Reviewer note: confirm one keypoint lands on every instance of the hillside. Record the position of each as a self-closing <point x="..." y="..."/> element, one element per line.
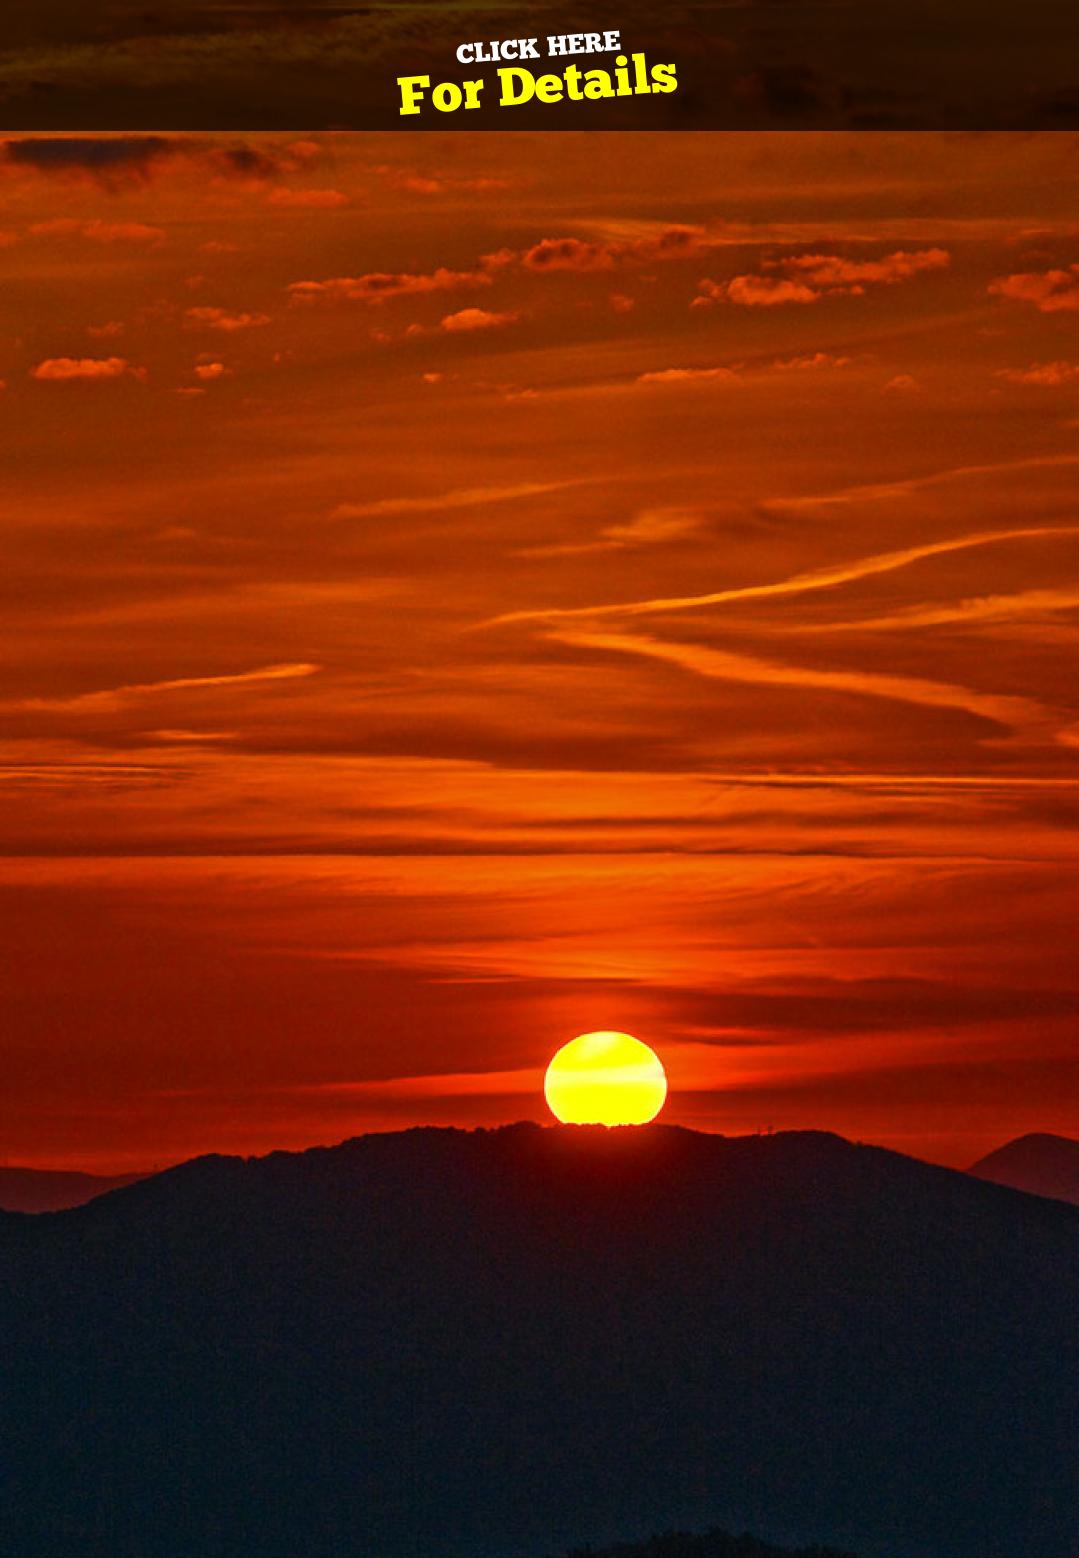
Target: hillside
<point x="709" y="1544"/>
<point x="510" y="1343"/>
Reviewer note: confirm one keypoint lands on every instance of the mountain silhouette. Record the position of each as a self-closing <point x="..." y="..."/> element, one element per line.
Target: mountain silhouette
<point x="1040" y="1164"/>
<point x="510" y="1343"/>
<point x="53" y="1190"/>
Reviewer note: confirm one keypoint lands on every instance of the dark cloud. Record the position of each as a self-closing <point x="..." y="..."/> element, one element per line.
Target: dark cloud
<point x="118" y="160"/>
<point x="107" y="157"/>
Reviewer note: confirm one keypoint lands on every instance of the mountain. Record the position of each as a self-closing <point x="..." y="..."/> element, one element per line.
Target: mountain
<point x="503" y="1344"/>
<point x="1040" y="1164"/>
<point x="51" y="1190"/>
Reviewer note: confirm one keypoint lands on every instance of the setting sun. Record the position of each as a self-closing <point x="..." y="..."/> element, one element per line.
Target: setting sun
<point x="605" y="1079"/>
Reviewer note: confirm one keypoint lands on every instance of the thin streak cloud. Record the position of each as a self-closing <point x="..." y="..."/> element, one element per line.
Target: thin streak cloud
<point x="110" y="695"/>
<point x="1007" y="711"/>
<point x="799" y="584"/>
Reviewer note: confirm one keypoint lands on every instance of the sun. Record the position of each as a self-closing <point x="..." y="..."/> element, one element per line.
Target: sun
<point x="605" y="1079"/>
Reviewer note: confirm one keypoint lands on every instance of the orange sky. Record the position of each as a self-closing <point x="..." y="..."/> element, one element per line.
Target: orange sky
<point x="463" y="591"/>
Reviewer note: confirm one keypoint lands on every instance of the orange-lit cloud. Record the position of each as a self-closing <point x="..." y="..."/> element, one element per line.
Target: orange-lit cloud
<point x="210" y="318"/>
<point x="388" y="701"/>
<point x="1051" y="291"/>
<point x="467" y="319"/>
<point x="112" y="695"/>
<point x="758" y="291"/>
<point x="1042" y="374"/>
<point x="378" y="286"/>
<point x="1007" y="711"/>
<point x="799" y="584"/>
<point x="63" y="369"/>
<point x="688" y="375"/>
<point x="807" y="278"/>
<point x="830" y="271"/>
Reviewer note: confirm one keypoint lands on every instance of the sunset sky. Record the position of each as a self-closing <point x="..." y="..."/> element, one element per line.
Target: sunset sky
<point x="462" y="591"/>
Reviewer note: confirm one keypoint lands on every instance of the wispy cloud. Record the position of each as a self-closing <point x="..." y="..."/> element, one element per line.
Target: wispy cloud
<point x="1008" y="712"/>
<point x="461" y="498"/>
<point x="829" y="577"/>
<point x="1023" y="605"/>
<point x="651" y="527"/>
<point x="110" y="696"/>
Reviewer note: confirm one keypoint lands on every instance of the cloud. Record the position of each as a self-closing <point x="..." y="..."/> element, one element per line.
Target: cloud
<point x="651" y="527"/>
<point x="222" y="319"/>
<point x="1008" y="711"/>
<point x="828" y="577"/>
<point x="59" y="369"/>
<point x="577" y="254"/>
<point x="760" y="292"/>
<point x="115" y="161"/>
<point x="309" y="199"/>
<point x="811" y="362"/>
<point x="1051" y="291"/>
<point x="100" y="232"/>
<point x="552" y="254"/>
<point x="832" y="271"/>
<point x="107" y="158"/>
<point x="465" y="497"/>
<point x="192" y="737"/>
<point x="806" y="278"/>
<point x="902" y="384"/>
<point x="418" y="183"/>
<point x="1041" y="373"/>
<point x="475" y="319"/>
<point x="1024" y="605"/>
<point x="548" y="256"/>
<point x="377" y="286"/>
<point x="448" y="1084"/>
<point x="877" y="491"/>
<point x="111" y="696"/>
<point x="688" y="376"/>
<point x="209" y="371"/>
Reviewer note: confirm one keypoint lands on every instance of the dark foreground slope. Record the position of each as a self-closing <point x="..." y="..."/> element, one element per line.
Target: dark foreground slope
<point x="708" y="1544"/>
<point x="1040" y="1164"/>
<point x="53" y="1190"/>
<point x="511" y="1343"/>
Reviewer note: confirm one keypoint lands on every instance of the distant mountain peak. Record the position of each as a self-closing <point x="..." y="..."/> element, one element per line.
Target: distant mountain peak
<point x="1039" y="1163"/>
<point x="53" y="1190"/>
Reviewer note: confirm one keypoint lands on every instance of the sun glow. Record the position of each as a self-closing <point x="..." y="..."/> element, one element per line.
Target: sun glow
<point x="605" y="1079"/>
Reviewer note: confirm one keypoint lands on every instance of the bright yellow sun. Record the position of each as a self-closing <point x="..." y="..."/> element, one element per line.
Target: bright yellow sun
<point x="605" y="1079"/>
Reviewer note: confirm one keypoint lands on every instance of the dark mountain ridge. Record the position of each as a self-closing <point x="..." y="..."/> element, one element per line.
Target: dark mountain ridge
<point x="500" y="1344"/>
<point x="1040" y="1164"/>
